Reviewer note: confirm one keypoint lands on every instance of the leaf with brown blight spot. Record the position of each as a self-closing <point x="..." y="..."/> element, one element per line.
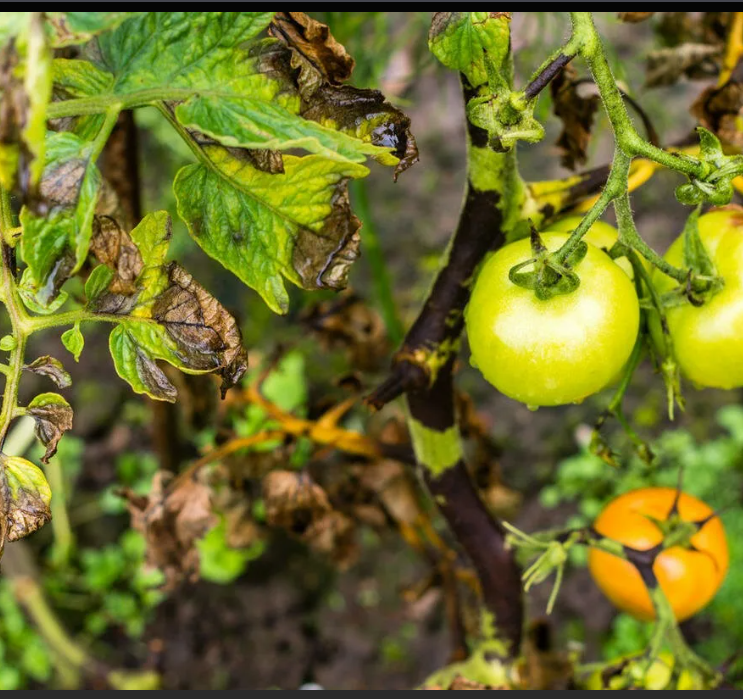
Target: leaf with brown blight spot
<point x="51" y="368"/>
<point x="165" y="314"/>
<point x="171" y="523"/>
<point x="317" y="55"/>
<point x="720" y="109"/>
<point x="53" y="416"/>
<point x="24" y="499"/>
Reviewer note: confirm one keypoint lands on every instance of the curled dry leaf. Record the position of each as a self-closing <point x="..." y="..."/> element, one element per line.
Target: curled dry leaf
<point x="24" y="499"/>
<point x="171" y="523"/>
<point x="52" y="368"/>
<point x="576" y="113"/>
<point x="720" y="109"/>
<point x="53" y="416"/>
<point x="301" y="507"/>
<point x="349" y="322"/>
<point x="317" y="55"/>
<point x="165" y="313"/>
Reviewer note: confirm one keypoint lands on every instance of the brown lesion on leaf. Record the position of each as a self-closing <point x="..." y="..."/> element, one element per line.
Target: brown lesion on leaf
<point x="24" y="504"/>
<point x="576" y="113"/>
<point x="206" y="334"/>
<point x="315" y="52"/>
<point x="172" y="521"/>
<point x="51" y="368"/>
<point x="53" y="417"/>
<point x="323" y="259"/>
<point x="317" y="73"/>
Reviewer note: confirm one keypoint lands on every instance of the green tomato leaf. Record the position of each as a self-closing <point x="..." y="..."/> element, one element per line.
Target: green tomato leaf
<point x="78" y="27"/>
<point x="53" y="416"/>
<point x="296" y="224"/>
<point x="52" y="368"/>
<point x="463" y="41"/>
<point x="164" y="313"/>
<point x="147" y="52"/>
<point x="56" y="234"/>
<point x="98" y="282"/>
<point x="73" y="341"/>
<point x="24" y="498"/>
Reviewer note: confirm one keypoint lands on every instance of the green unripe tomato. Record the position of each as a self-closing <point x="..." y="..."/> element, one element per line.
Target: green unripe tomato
<point x="708" y="340"/>
<point x="555" y="351"/>
<point x="600" y="234"/>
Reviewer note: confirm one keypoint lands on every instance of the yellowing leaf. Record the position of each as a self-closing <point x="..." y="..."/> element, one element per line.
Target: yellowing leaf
<point x="297" y="224"/>
<point x="24" y="498"/>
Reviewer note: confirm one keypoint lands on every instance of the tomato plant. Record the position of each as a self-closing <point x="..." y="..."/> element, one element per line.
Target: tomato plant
<point x="181" y="189"/>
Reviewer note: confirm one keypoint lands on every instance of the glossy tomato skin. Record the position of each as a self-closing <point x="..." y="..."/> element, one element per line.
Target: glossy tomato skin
<point x="555" y="351"/>
<point x="708" y="340"/>
<point x="600" y="234"/>
<point x="689" y="578"/>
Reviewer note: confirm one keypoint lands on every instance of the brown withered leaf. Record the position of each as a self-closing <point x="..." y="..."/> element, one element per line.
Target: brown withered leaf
<point x="720" y="109"/>
<point x="634" y="17"/>
<point x="300" y="506"/>
<point x="315" y="52"/>
<point x="576" y="113"/>
<point x="206" y="335"/>
<point x="665" y="66"/>
<point x="53" y="416"/>
<point x="201" y="327"/>
<point x="293" y="500"/>
<point x="350" y="323"/>
<point x="113" y="247"/>
<point x="171" y="523"/>
<point x="52" y="368"/>
<point x="24" y="499"/>
<point x="323" y="260"/>
<point x="363" y="113"/>
<point x="334" y="535"/>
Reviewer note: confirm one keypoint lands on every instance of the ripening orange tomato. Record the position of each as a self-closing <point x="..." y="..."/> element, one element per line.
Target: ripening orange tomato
<point x="689" y="578"/>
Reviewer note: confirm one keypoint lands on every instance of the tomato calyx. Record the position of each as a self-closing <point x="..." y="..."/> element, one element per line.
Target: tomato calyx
<point x="547" y="275"/>
<point x="716" y="184"/>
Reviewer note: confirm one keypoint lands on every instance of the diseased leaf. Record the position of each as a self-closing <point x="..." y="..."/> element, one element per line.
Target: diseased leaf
<point x="24" y="499"/>
<point x="26" y="88"/>
<point x="51" y="367"/>
<point x="576" y="113"/>
<point x="301" y="507"/>
<point x="172" y="521"/>
<point x="297" y="224"/>
<point x="53" y="416"/>
<point x="165" y="314"/>
<point x="73" y="341"/>
<point x="463" y="41"/>
<point x="78" y="27"/>
<point x="720" y="109"/>
<point x="318" y="56"/>
<point x="57" y="229"/>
